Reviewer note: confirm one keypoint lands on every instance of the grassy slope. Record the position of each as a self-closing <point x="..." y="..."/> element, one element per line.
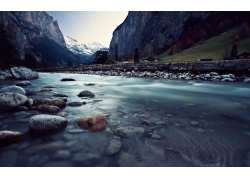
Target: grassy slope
<point x="213" y="48"/>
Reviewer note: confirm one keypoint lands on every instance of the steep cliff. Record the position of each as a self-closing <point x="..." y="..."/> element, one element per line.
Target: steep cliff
<point x="32" y="39"/>
<point x="151" y="31"/>
<point x="43" y="23"/>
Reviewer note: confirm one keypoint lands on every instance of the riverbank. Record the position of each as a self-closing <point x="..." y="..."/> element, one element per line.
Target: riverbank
<point x="225" y="71"/>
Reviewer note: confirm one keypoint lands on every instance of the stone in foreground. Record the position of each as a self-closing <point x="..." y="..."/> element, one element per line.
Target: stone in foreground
<point x="114" y="146"/>
<point x="43" y="123"/>
<point x="94" y="122"/>
<point x="52" y="102"/>
<point x="13" y="89"/>
<point x="129" y="131"/>
<point x="10" y="101"/>
<point x="48" y="108"/>
<point x="7" y="137"/>
<point x="24" y="73"/>
<point x="86" y="93"/>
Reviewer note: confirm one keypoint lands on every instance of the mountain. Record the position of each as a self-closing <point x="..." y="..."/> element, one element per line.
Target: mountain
<point x="32" y="39"/>
<point x="155" y="33"/>
<point x="83" y="51"/>
<point x="151" y="31"/>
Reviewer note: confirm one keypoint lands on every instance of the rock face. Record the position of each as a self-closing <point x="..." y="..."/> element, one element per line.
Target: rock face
<point x="94" y="122"/>
<point x="42" y="123"/>
<point x="13" y="89"/>
<point x="43" y="22"/>
<point x="24" y="73"/>
<point x="7" y="137"/>
<point x="9" y="101"/>
<point x="150" y="30"/>
<point x="30" y="37"/>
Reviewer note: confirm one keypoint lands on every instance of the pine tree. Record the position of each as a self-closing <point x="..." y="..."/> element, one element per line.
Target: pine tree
<point x="234" y="51"/>
<point x="70" y="63"/>
<point x="136" y="56"/>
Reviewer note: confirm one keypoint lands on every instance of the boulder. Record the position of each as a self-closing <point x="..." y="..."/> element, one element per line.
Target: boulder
<point x="10" y="101"/>
<point x="23" y="83"/>
<point x="94" y="122"/>
<point x="43" y="123"/>
<point x="129" y="131"/>
<point x="67" y="79"/>
<point x="52" y="102"/>
<point x="114" y="146"/>
<point x="86" y="93"/>
<point x="13" y="89"/>
<point x="7" y="137"/>
<point x="24" y="73"/>
<point x="48" y="108"/>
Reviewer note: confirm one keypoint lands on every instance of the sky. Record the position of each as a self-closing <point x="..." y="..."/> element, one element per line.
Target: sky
<point x="89" y="26"/>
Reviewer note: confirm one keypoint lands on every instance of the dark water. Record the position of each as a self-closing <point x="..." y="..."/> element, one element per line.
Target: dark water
<point x="222" y="137"/>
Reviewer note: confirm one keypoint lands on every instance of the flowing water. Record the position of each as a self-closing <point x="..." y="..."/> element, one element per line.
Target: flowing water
<point x="222" y="137"/>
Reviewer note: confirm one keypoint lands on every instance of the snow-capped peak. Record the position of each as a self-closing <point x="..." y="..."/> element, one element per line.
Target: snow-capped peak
<point x="84" y="49"/>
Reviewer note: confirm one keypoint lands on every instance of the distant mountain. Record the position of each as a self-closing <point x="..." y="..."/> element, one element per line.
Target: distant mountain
<point x="32" y="39"/>
<point x="83" y="51"/>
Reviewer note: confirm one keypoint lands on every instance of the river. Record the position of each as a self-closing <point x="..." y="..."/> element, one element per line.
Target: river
<point x="220" y="135"/>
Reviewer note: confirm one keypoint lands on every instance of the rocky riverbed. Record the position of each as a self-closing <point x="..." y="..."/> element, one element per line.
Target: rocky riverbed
<point x="225" y="71"/>
<point x="93" y="120"/>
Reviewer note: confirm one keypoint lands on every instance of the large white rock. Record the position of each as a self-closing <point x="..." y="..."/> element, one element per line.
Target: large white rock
<point x="24" y="73"/>
<point x="13" y="89"/>
<point x="9" y="101"/>
<point x="43" y="123"/>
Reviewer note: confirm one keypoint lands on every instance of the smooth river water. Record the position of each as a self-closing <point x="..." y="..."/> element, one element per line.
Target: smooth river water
<point x="222" y="137"/>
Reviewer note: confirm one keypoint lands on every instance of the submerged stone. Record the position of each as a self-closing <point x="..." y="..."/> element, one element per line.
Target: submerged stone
<point x="94" y="122"/>
<point x="75" y="104"/>
<point x="129" y="131"/>
<point x="114" y="146"/>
